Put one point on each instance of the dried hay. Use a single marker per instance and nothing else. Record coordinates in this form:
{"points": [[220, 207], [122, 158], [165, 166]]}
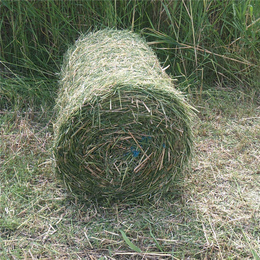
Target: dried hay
{"points": [[122, 130]]}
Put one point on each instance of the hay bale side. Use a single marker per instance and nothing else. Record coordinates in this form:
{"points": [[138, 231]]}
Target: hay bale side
{"points": [[122, 130]]}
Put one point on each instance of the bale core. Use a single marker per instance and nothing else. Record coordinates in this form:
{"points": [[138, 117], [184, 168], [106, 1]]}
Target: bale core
{"points": [[122, 129]]}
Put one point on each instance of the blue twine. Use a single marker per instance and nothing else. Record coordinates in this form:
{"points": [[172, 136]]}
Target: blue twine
{"points": [[144, 140], [134, 152]]}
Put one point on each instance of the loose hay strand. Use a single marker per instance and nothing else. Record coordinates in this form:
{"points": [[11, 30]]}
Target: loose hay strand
{"points": [[122, 129]]}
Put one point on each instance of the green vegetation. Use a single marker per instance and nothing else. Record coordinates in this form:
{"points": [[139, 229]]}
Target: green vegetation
{"points": [[202, 41], [212, 47]]}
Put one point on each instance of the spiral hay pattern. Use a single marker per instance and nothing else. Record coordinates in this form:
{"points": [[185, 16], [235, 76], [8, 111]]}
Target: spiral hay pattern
{"points": [[122, 130]]}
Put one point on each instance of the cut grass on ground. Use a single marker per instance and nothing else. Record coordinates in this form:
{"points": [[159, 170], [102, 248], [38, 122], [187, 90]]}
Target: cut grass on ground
{"points": [[214, 213]]}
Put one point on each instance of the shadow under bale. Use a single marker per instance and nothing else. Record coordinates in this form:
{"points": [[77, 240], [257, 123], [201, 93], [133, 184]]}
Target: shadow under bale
{"points": [[122, 130]]}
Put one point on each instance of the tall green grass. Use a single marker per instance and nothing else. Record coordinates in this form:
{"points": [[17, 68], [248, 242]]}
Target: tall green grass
{"points": [[210, 41]]}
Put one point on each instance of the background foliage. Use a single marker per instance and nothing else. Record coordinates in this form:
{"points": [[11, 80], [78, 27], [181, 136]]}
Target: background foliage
{"points": [[208, 41]]}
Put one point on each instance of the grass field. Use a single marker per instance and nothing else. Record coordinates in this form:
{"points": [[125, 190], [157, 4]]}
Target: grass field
{"points": [[214, 212], [213, 48]]}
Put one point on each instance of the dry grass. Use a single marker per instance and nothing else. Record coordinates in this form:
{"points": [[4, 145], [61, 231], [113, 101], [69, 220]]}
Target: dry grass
{"points": [[226, 187], [213, 213]]}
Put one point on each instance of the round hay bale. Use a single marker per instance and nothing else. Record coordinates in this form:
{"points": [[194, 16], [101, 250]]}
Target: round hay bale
{"points": [[122, 130]]}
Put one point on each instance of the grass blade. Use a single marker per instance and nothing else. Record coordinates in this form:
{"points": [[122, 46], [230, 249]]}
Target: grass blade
{"points": [[129, 243], [155, 241], [256, 256]]}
